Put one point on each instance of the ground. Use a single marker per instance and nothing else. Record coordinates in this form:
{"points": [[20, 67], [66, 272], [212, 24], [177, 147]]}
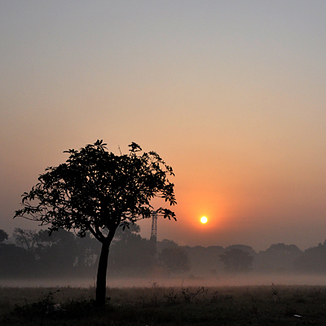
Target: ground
{"points": [[154, 305]]}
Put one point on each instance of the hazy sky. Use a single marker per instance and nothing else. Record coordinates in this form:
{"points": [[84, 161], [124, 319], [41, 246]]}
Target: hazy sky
{"points": [[230, 93]]}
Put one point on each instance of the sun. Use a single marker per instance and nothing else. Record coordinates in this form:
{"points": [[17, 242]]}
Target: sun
{"points": [[203, 220]]}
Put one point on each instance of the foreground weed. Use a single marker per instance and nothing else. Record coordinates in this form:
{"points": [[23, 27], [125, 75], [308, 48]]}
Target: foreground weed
{"points": [[172, 297], [189, 295]]}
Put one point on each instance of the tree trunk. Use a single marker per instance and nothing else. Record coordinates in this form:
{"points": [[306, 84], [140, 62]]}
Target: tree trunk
{"points": [[101, 274]]}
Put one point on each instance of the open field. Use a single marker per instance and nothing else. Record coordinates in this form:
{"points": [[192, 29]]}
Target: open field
{"points": [[154, 305]]}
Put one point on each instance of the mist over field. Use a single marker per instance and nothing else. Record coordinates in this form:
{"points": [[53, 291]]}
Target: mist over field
{"points": [[30, 258], [240, 280]]}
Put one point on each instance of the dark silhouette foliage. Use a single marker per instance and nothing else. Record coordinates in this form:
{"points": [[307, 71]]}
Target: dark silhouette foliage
{"points": [[242, 247], [58, 253], [204, 260], [278, 257], [131, 255], [3, 235], [165, 243], [97, 191], [174, 260], [312, 260], [16, 262], [27, 239], [236, 260]]}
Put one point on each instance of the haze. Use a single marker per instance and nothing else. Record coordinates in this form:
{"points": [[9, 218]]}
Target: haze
{"points": [[231, 94]]}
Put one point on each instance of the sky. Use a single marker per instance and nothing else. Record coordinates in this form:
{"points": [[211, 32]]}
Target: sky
{"points": [[231, 94]]}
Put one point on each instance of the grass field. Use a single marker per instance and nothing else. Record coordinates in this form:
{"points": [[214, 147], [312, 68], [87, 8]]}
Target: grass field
{"points": [[154, 305]]}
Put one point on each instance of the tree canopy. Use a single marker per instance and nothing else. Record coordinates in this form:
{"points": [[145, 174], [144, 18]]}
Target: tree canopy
{"points": [[97, 191], [175, 260], [236, 260]]}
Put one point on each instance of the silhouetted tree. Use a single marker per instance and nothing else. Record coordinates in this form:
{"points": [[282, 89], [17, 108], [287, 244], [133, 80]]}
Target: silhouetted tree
{"points": [[131, 254], [174, 260], [244, 248], [312, 260], [57, 253], [26, 239], [15, 261], [52, 254], [97, 191], [236, 260], [165, 243], [88, 247], [204, 260], [3, 235], [278, 257], [122, 235]]}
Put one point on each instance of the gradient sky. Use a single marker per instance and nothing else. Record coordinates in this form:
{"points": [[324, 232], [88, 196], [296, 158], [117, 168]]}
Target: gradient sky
{"points": [[230, 93]]}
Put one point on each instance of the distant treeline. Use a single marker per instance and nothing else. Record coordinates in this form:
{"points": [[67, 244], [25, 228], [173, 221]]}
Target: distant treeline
{"points": [[30, 253]]}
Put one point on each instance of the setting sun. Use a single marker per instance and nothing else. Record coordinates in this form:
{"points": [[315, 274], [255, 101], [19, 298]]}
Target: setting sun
{"points": [[203, 220]]}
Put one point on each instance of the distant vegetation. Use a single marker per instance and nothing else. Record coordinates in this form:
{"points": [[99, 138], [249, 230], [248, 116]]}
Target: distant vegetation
{"points": [[35, 254]]}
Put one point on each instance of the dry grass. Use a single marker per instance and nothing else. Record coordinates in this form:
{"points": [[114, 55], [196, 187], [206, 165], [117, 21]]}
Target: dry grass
{"points": [[154, 305]]}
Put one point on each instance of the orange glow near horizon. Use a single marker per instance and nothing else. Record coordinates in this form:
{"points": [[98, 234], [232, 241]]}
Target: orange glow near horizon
{"points": [[197, 202]]}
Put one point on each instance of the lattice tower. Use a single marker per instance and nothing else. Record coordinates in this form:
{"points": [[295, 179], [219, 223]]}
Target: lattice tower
{"points": [[154, 227]]}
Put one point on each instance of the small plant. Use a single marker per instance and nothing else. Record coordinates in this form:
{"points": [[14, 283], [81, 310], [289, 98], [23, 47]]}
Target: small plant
{"points": [[189, 296], [40, 308], [215, 297], [274, 293], [48, 299], [171, 297]]}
